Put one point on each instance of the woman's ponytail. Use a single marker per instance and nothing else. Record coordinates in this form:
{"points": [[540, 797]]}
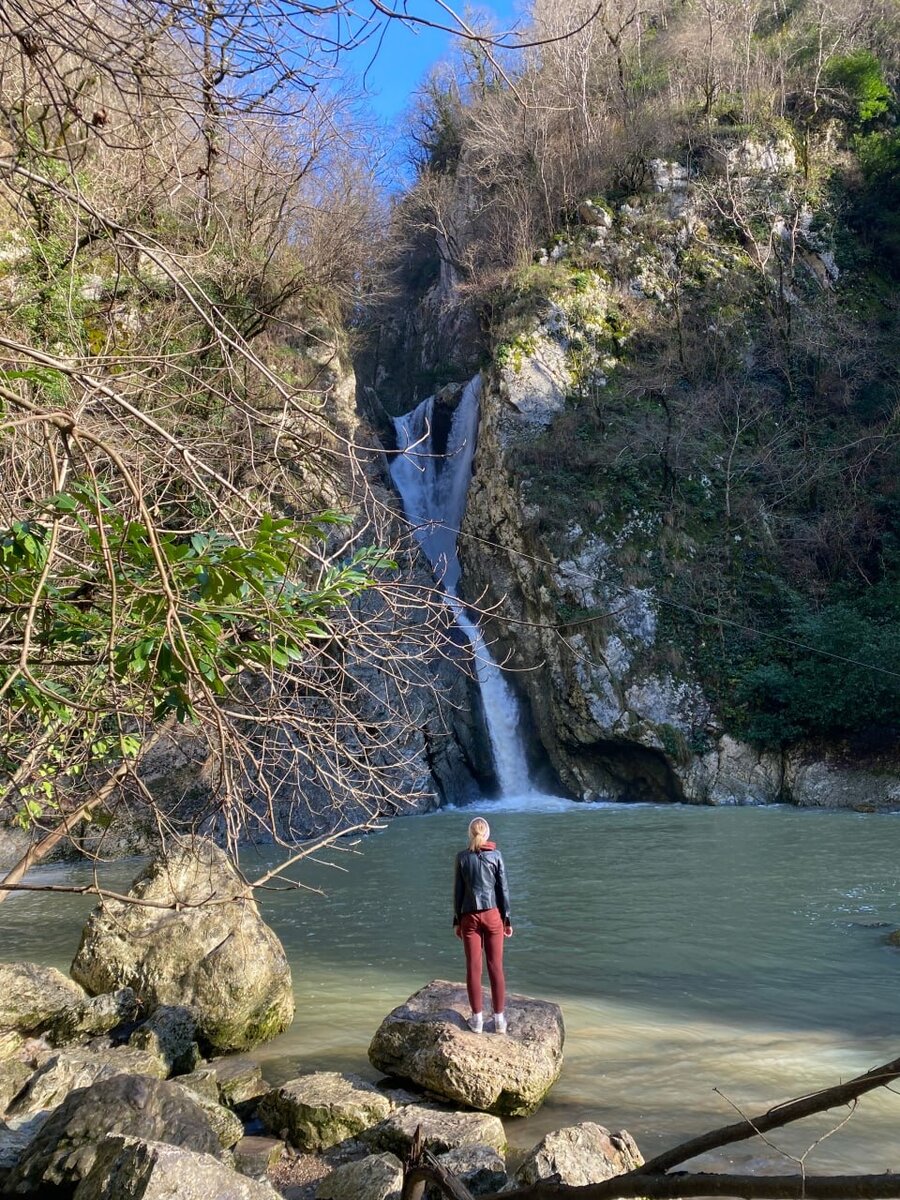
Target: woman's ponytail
{"points": [[479, 832]]}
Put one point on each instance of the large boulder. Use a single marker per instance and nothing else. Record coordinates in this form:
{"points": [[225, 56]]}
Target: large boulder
{"points": [[31, 995], [66, 1147], [376, 1177], [220, 958], [319, 1110], [442, 1130], [427, 1041], [139, 1169], [79, 1067], [580, 1154]]}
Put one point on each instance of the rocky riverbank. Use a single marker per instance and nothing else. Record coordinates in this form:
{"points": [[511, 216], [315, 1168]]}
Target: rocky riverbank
{"points": [[119, 1082]]}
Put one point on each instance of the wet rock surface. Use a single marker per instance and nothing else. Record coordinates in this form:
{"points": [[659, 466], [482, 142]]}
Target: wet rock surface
{"points": [[426, 1040], [220, 958]]}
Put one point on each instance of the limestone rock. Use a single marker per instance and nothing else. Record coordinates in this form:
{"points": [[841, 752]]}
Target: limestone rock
{"points": [[255, 1156], [137, 1169], [829, 783], [66, 1147], [319, 1110], [92, 1016], [221, 959], [11, 1042], [15, 1139], [377, 1177], [580, 1154], [592, 213], [441, 1130], [79, 1067], [32, 995], [14, 1074], [428, 1042], [239, 1080], [228, 1128], [480, 1169], [170, 1034]]}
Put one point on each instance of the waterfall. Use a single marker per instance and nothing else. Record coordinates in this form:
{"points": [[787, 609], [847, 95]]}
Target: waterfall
{"points": [[433, 486]]}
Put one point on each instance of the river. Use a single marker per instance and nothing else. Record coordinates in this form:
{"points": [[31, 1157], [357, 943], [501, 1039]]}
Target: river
{"points": [[691, 949]]}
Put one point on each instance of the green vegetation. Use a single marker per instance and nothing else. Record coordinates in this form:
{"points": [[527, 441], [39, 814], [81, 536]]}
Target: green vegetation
{"points": [[731, 420], [182, 572]]}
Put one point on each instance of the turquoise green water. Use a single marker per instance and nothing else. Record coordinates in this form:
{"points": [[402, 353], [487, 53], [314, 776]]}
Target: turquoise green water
{"points": [[691, 950]]}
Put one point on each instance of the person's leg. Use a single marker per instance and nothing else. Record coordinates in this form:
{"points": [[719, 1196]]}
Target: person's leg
{"points": [[471, 940], [493, 947]]}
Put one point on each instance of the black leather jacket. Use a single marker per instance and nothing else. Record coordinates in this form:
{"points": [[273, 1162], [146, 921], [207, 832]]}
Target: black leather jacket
{"points": [[480, 883]]}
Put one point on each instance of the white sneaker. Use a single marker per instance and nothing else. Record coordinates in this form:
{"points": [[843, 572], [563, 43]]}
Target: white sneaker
{"points": [[499, 1023], [476, 1022]]}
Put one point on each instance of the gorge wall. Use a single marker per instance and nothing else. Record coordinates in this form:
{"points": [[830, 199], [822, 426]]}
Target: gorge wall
{"points": [[648, 523]]}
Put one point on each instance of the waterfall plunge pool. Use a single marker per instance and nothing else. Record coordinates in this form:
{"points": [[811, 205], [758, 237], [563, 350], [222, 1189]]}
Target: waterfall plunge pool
{"points": [[690, 948]]}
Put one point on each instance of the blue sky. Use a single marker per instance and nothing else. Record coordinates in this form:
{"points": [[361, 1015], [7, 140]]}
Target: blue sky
{"points": [[406, 53]]}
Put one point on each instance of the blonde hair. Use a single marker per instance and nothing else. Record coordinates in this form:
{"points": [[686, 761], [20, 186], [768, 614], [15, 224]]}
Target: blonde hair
{"points": [[479, 832]]}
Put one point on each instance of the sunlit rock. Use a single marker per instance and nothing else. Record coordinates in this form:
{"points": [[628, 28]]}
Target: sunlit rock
{"points": [[442, 1130], [256, 1156], [376, 1177], [32, 995], [319, 1110], [201, 1087], [137, 1169], [220, 958], [79, 1067], [580, 1154], [426, 1040], [67, 1145]]}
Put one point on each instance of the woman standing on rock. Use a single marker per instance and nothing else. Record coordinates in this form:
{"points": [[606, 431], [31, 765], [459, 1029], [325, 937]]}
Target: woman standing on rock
{"points": [[481, 919]]}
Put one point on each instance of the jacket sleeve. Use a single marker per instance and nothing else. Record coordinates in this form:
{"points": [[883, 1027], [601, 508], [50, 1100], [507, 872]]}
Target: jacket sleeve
{"points": [[458, 891], [501, 889]]}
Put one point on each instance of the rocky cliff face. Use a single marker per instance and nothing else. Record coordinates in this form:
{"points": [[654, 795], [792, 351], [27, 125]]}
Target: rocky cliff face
{"points": [[572, 568], [616, 722]]}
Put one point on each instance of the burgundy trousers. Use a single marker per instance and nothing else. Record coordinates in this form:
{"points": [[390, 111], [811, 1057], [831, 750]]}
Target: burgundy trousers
{"points": [[484, 929]]}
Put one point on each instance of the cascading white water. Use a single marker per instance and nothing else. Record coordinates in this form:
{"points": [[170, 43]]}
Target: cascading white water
{"points": [[433, 488]]}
